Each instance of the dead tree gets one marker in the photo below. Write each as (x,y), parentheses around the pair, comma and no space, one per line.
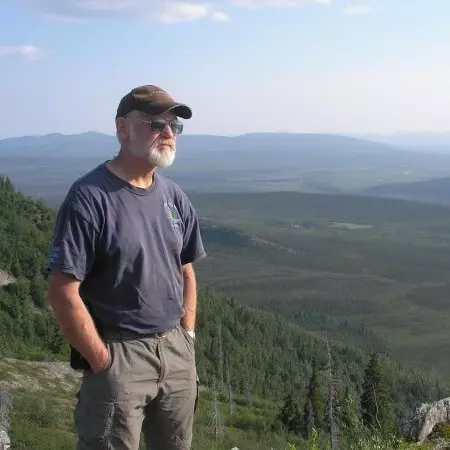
(216,420)
(230,392)
(331,399)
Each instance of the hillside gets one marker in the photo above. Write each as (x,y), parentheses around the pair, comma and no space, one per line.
(371,271)
(262,356)
(422,141)
(276,357)
(433,191)
(43,166)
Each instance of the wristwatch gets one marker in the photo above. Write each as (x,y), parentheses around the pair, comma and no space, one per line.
(191,333)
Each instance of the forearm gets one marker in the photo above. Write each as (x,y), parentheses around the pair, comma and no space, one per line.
(78,327)
(189,302)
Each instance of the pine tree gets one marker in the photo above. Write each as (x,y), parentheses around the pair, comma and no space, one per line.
(314,406)
(332,401)
(291,414)
(349,416)
(375,399)
(220,357)
(56,343)
(229,389)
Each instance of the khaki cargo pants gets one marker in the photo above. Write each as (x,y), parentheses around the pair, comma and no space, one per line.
(149,385)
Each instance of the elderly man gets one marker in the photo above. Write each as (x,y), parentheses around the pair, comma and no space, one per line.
(123,286)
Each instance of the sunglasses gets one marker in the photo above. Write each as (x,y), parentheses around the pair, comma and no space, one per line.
(159,125)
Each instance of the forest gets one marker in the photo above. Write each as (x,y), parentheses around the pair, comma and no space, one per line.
(267,382)
(372,272)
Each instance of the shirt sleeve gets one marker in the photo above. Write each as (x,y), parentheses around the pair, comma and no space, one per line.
(74,241)
(193,249)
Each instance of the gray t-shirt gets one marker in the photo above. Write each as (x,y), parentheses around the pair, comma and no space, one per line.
(127,246)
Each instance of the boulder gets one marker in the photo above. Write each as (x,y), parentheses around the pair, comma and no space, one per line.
(425,417)
(5,411)
(6,278)
(5,443)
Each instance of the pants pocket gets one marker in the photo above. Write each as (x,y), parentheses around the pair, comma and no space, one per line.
(190,342)
(93,422)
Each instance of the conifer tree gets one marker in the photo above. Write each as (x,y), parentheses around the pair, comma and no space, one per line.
(314,405)
(349,412)
(229,389)
(375,400)
(332,401)
(291,414)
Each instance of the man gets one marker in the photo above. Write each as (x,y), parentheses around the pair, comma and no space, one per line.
(123,287)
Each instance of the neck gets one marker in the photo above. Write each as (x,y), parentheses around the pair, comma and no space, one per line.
(132,169)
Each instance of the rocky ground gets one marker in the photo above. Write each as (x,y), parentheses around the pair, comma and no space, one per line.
(6,278)
(18,375)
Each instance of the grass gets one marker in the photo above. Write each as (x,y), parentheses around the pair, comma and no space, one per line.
(44,401)
(43,414)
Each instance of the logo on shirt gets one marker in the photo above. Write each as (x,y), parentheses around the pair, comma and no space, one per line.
(54,253)
(173,214)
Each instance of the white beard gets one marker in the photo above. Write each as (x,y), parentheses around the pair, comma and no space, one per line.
(161,158)
(157,158)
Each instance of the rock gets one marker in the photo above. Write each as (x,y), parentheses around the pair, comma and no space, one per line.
(5,411)
(5,443)
(6,278)
(424,418)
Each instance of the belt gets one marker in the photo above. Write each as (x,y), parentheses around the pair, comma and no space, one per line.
(129,335)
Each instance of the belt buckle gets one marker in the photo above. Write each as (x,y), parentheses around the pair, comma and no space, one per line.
(163,334)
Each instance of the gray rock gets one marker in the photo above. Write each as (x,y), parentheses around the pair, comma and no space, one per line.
(5,411)
(425,418)
(6,278)
(5,443)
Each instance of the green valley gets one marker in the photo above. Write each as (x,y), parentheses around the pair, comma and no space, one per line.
(288,321)
(370,271)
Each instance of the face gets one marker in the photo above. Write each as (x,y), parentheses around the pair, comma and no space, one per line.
(158,148)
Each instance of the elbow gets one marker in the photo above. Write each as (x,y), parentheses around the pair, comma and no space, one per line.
(61,290)
(188,272)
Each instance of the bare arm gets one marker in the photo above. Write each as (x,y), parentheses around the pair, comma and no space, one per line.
(189,297)
(75,321)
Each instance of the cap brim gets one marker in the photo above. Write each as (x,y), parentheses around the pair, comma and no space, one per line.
(179,109)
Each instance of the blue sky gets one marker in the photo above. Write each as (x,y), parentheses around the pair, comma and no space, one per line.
(341,66)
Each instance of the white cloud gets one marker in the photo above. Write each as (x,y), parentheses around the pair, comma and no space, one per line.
(220,16)
(261,3)
(356,10)
(29,52)
(181,12)
(159,10)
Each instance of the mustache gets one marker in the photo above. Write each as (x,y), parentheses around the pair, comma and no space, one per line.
(169,142)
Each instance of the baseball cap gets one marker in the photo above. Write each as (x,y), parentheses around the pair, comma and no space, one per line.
(151,100)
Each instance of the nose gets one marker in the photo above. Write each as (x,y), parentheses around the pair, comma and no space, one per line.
(168,133)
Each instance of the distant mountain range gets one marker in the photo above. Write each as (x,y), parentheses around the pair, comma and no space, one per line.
(434,142)
(432,191)
(45,166)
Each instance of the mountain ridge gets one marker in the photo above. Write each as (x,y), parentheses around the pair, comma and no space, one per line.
(433,191)
(45,166)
